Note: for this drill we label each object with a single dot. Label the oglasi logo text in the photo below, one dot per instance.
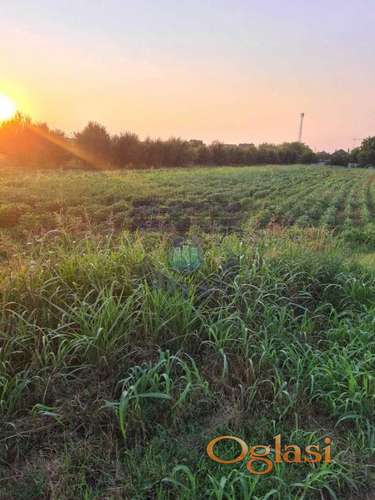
(291, 454)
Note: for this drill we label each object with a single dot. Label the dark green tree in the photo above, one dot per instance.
(366, 154)
(126, 149)
(95, 140)
(340, 157)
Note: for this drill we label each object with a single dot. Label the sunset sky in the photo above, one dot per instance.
(233, 70)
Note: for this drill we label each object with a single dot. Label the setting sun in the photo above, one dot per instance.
(7, 108)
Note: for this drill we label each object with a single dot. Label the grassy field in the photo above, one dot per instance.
(117, 370)
(211, 200)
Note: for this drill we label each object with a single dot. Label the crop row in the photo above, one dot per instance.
(333, 201)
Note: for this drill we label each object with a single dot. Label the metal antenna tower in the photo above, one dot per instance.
(301, 127)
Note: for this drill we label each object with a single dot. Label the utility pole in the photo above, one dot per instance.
(301, 127)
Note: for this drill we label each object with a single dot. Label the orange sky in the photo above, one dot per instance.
(233, 71)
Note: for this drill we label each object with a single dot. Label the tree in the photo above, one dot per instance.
(268, 153)
(218, 153)
(126, 149)
(340, 157)
(201, 155)
(32, 144)
(289, 152)
(295, 152)
(28, 143)
(354, 155)
(94, 140)
(366, 154)
(176, 153)
(323, 156)
(250, 154)
(308, 157)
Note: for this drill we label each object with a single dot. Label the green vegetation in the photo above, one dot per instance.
(35, 145)
(117, 366)
(202, 199)
(30, 144)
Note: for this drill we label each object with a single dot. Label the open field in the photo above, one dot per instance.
(212, 200)
(116, 370)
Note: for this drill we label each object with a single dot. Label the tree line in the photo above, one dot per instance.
(23, 142)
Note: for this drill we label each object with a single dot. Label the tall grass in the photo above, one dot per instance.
(106, 349)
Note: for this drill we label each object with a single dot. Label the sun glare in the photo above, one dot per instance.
(7, 108)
